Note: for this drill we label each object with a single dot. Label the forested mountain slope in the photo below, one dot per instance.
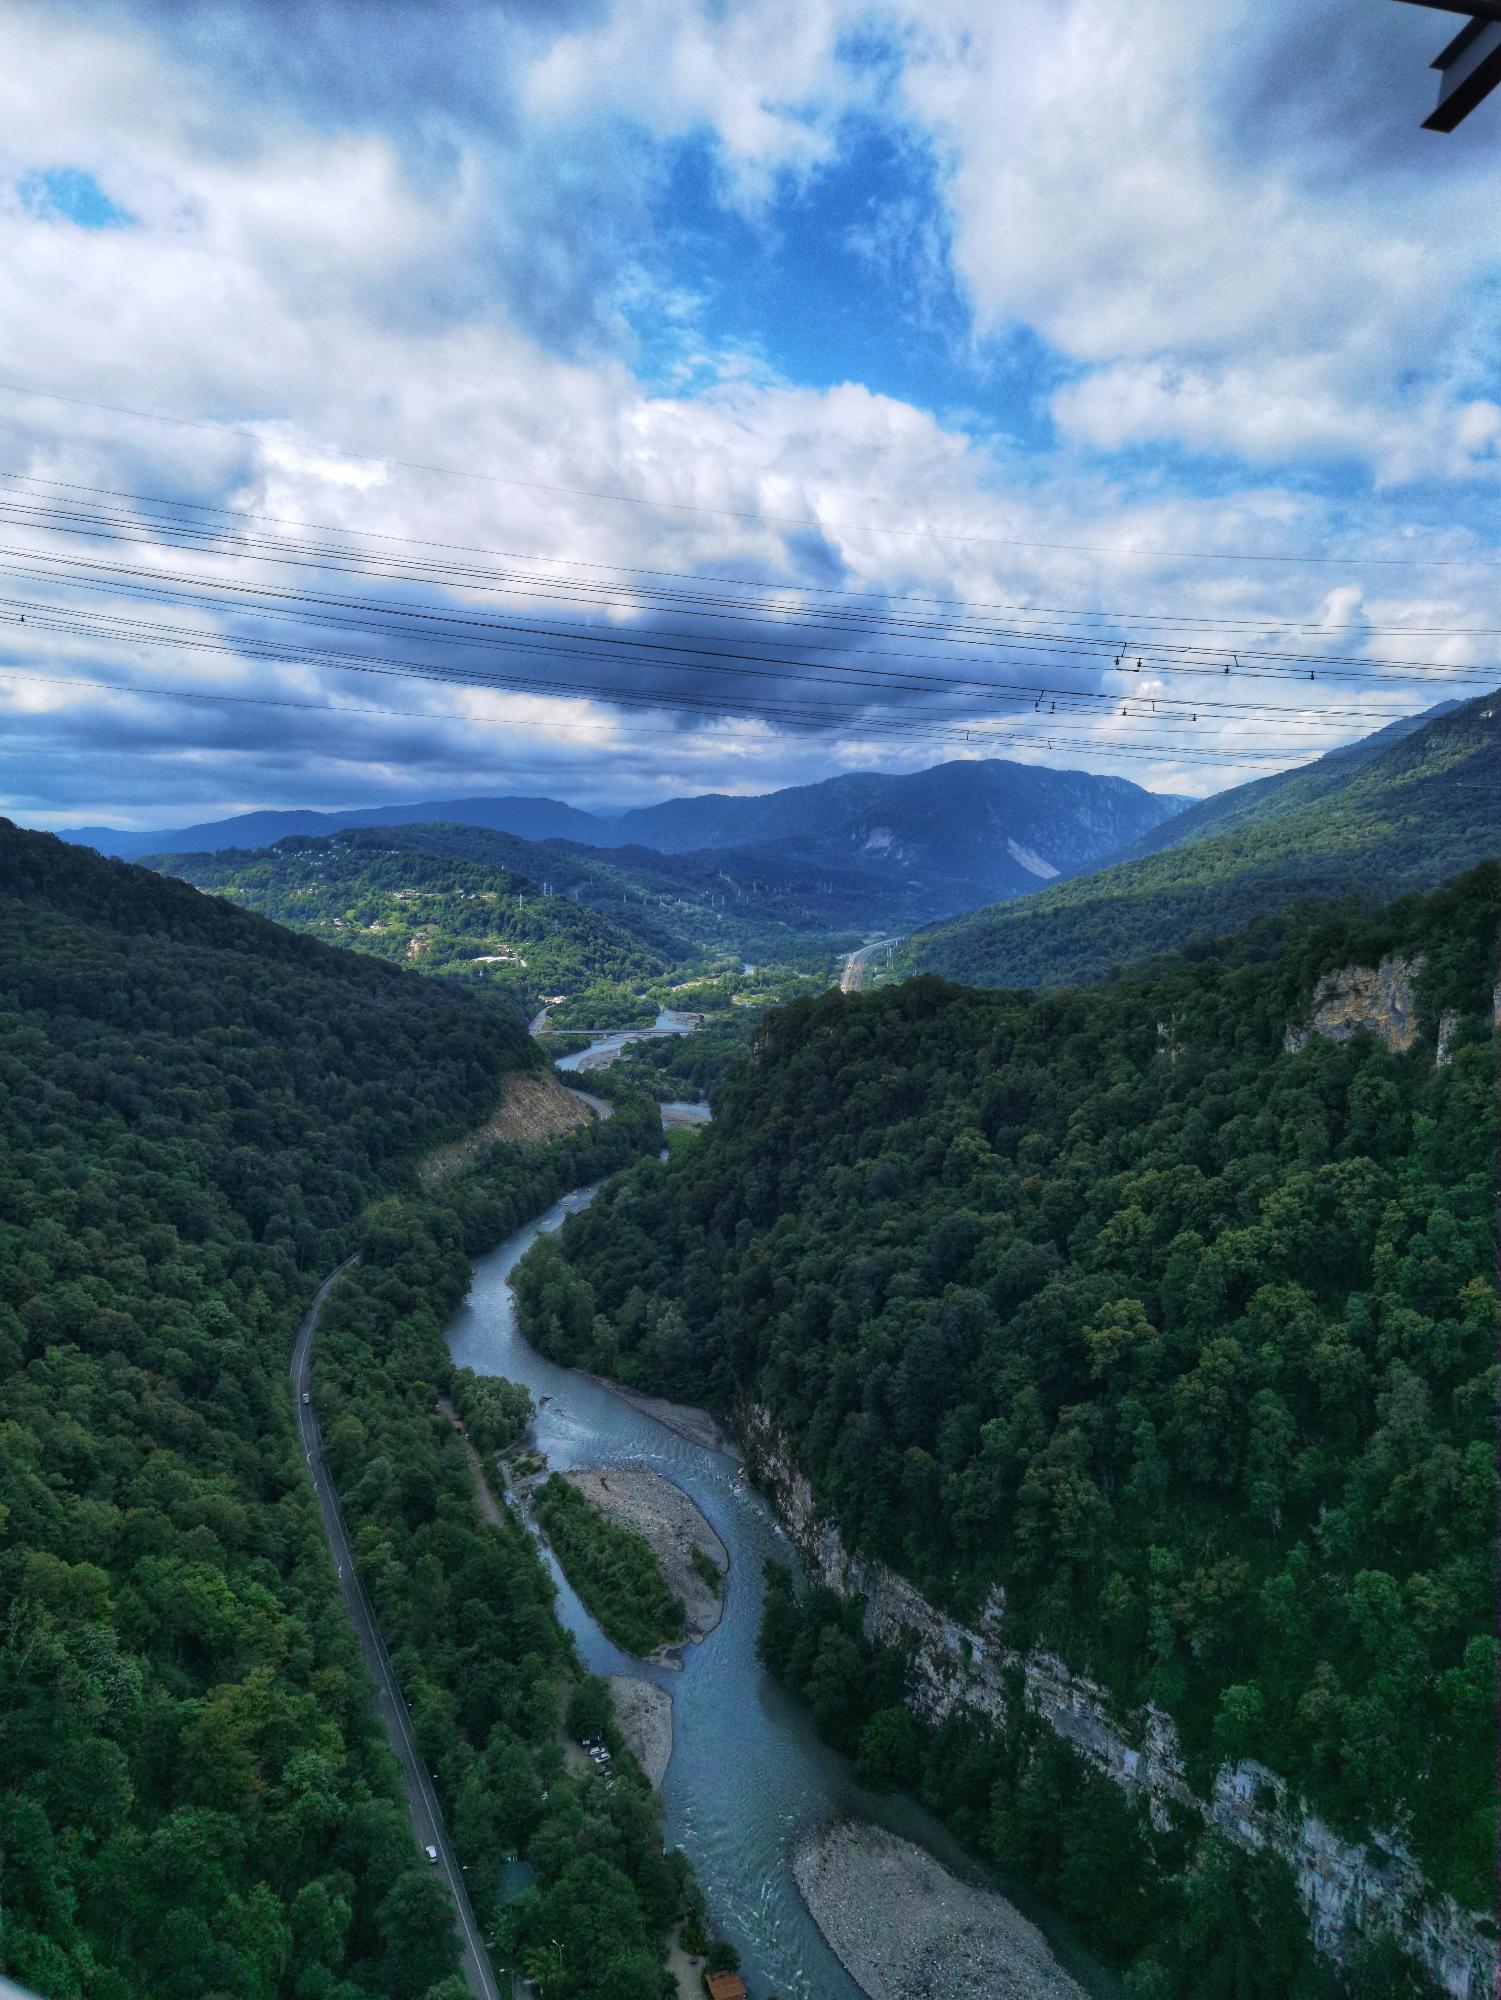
(195, 1109)
(1265, 798)
(676, 907)
(1403, 811)
(956, 834)
(865, 847)
(463, 919)
(1184, 1342)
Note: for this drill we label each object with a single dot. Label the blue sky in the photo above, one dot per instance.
(1173, 314)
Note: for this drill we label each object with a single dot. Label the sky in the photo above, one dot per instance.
(615, 399)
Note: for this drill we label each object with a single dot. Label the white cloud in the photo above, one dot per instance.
(1224, 298)
(301, 282)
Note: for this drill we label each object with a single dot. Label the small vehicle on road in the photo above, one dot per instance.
(430, 1851)
(306, 1397)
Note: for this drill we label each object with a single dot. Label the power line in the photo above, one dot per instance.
(1179, 661)
(1169, 710)
(1167, 653)
(1135, 620)
(738, 514)
(960, 729)
(1011, 739)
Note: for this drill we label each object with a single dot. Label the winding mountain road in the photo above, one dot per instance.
(422, 1801)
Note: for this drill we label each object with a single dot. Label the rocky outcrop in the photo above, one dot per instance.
(1380, 1001)
(1349, 1889)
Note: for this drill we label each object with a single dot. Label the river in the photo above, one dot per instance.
(747, 1771)
(603, 1049)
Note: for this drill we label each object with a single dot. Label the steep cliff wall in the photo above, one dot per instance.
(1349, 1889)
(1356, 996)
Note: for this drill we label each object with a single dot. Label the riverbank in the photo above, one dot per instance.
(687, 1549)
(643, 1713)
(685, 1420)
(904, 1928)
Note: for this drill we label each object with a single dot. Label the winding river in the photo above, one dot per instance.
(747, 1771)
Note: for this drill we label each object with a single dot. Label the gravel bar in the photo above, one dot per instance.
(904, 1928)
(644, 1714)
(635, 1496)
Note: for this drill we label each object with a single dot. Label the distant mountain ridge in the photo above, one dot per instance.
(1407, 808)
(939, 840)
(529, 818)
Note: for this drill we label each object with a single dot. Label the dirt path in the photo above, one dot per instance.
(488, 1505)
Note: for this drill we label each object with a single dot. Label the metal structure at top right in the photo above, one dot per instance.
(1470, 67)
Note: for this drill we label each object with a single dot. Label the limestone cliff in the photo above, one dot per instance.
(1349, 1889)
(1379, 1000)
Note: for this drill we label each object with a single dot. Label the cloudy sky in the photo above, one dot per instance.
(621, 399)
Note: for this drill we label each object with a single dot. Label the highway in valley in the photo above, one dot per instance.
(422, 1800)
(853, 976)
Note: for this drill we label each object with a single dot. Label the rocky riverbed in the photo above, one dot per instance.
(686, 1547)
(643, 1712)
(906, 1929)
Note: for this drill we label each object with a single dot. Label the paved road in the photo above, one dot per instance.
(853, 976)
(600, 1106)
(422, 1800)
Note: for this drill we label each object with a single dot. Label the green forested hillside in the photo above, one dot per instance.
(1405, 811)
(1184, 1341)
(196, 1109)
(758, 906)
(490, 1675)
(435, 913)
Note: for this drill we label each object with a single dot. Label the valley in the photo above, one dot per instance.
(750, 1001)
(1068, 1361)
(746, 1770)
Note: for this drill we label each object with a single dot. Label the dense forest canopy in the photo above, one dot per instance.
(466, 1606)
(668, 909)
(1106, 1300)
(435, 913)
(1400, 811)
(196, 1108)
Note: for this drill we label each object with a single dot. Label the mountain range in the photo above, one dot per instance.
(1403, 809)
(937, 841)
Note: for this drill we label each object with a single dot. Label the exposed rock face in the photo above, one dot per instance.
(1356, 997)
(533, 1106)
(1349, 1889)
(1443, 1053)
